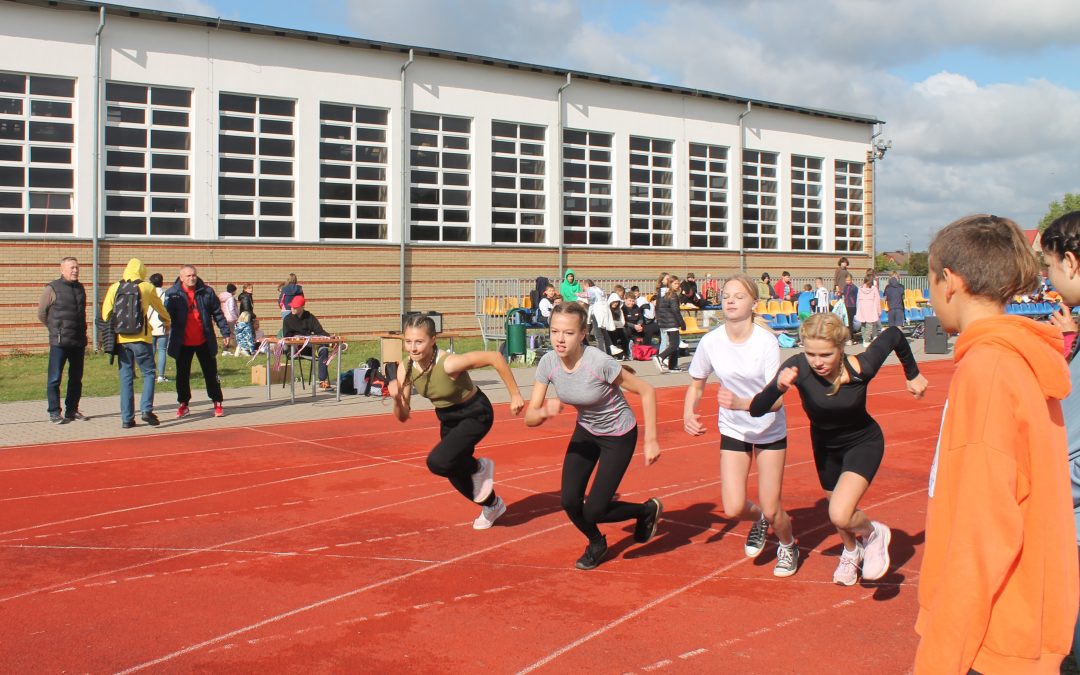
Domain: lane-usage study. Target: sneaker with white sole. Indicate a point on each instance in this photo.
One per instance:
(876, 552)
(847, 571)
(489, 514)
(787, 560)
(483, 481)
(645, 529)
(755, 540)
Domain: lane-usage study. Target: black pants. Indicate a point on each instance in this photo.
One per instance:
(461, 427)
(671, 352)
(650, 334)
(208, 363)
(73, 357)
(619, 338)
(851, 323)
(320, 361)
(610, 456)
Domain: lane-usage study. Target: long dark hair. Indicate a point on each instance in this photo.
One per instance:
(426, 324)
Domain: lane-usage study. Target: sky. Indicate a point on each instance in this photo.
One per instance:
(981, 99)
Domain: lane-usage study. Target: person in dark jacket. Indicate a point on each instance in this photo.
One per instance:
(290, 290)
(850, 294)
(301, 322)
(894, 299)
(62, 309)
(246, 301)
(195, 308)
(670, 321)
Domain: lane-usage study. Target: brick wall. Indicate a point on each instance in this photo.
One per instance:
(354, 290)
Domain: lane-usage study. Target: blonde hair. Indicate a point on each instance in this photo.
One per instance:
(827, 327)
(751, 286)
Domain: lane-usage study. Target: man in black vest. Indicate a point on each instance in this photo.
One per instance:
(62, 309)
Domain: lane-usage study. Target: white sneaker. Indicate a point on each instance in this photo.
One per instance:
(876, 554)
(615, 350)
(660, 364)
(847, 571)
(162, 379)
(483, 481)
(489, 514)
(683, 344)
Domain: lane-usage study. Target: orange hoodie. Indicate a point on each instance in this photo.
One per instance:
(999, 586)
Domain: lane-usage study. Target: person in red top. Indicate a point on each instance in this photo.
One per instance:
(195, 308)
(999, 583)
(784, 289)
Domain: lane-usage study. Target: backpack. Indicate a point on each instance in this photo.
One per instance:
(128, 315)
(368, 375)
(643, 352)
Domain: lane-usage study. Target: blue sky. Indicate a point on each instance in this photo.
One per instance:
(982, 99)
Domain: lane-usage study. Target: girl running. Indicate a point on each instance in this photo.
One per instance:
(464, 412)
(606, 431)
(848, 443)
(745, 356)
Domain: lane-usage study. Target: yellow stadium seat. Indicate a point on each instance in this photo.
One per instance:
(692, 327)
(787, 307)
(773, 307)
(761, 307)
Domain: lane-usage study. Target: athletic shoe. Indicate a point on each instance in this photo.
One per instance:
(615, 350)
(151, 419)
(182, 411)
(489, 514)
(876, 552)
(847, 572)
(755, 541)
(324, 385)
(71, 417)
(483, 481)
(684, 345)
(218, 410)
(161, 379)
(787, 560)
(56, 419)
(594, 553)
(660, 364)
(676, 369)
(128, 424)
(646, 524)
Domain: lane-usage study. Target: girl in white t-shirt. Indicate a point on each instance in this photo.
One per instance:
(745, 357)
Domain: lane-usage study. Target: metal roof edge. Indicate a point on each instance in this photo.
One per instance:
(343, 40)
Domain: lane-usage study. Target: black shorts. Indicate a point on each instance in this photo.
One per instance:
(728, 443)
(857, 450)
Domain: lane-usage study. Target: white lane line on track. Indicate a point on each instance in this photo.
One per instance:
(327, 601)
(677, 592)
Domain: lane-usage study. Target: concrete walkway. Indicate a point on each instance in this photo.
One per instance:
(26, 422)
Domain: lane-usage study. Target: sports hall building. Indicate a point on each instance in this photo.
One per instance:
(387, 177)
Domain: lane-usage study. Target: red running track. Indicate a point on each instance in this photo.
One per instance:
(327, 546)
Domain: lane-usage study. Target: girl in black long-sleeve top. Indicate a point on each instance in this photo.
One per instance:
(848, 444)
(670, 321)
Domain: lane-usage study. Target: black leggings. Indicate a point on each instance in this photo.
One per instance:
(613, 454)
(461, 427)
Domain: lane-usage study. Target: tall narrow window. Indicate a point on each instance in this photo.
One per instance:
(849, 206)
(651, 202)
(37, 135)
(352, 172)
(587, 178)
(760, 216)
(440, 197)
(256, 166)
(147, 160)
(806, 210)
(708, 196)
(517, 183)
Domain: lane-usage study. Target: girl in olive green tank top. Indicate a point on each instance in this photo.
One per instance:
(464, 412)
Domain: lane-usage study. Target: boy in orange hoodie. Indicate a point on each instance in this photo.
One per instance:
(999, 586)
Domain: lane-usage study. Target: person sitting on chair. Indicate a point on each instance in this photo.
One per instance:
(302, 323)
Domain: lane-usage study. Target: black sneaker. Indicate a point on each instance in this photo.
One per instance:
(594, 553)
(646, 525)
(755, 540)
(127, 424)
(151, 419)
(71, 417)
(56, 419)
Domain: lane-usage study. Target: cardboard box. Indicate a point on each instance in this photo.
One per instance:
(279, 376)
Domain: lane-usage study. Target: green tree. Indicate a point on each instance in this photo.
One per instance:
(1069, 203)
(882, 263)
(918, 264)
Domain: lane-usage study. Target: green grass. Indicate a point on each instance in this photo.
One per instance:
(22, 376)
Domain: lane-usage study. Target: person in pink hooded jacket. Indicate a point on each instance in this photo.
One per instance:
(868, 309)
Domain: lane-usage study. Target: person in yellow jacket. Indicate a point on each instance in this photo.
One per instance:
(999, 583)
(126, 305)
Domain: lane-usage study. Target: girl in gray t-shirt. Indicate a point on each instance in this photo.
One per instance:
(606, 432)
